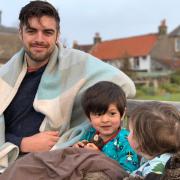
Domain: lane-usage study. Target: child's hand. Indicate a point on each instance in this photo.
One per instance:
(91, 146)
(80, 144)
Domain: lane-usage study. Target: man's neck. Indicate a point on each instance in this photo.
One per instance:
(34, 67)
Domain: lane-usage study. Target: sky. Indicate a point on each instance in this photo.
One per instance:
(113, 19)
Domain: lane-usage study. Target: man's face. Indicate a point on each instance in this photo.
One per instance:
(39, 39)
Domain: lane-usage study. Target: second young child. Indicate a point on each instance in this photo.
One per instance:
(104, 104)
(154, 135)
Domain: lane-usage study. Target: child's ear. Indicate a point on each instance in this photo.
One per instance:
(122, 118)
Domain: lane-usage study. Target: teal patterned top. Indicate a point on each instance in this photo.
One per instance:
(155, 165)
(118, 149)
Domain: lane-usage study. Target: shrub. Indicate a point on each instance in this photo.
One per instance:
(175, 77)
(171, 88)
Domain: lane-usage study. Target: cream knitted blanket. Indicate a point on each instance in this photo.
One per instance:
(68, 73)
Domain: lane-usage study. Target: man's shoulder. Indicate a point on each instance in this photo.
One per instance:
(77, 53)
(73, 52)
(73, 56)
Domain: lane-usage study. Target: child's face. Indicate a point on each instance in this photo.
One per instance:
(131, 139)
(134, 144)
(106, 124)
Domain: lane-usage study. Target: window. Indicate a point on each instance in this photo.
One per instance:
(136, 62)
(144, 57)
(177, 45)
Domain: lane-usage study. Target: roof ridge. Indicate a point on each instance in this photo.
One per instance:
(130, 37)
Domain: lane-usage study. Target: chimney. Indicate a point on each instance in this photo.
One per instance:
(75, 45)
(0, 17)
(163, 28)
(97, 38)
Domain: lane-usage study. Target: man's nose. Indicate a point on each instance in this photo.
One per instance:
(39, 37)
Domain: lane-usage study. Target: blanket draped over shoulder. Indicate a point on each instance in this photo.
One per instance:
(68, 73)
(65, 164)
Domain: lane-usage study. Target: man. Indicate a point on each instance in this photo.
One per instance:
(42, 84)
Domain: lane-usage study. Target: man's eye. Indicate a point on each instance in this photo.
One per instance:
(30, 31)
(48, 33)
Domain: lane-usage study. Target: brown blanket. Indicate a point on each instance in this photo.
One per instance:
(67, 164)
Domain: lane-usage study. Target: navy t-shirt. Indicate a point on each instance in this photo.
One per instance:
(21, 120)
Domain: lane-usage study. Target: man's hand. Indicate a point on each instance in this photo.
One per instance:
(40, 142)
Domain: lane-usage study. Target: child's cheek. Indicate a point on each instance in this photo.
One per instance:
(133, 145)
(132, 142)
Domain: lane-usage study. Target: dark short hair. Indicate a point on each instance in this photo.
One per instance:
(38, 9)
(156, 128)
(98, 97)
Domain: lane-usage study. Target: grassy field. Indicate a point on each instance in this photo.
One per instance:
(166, 91)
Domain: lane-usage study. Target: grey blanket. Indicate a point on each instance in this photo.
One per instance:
(66, 164)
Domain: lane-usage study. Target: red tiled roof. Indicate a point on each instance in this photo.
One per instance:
(120, 48)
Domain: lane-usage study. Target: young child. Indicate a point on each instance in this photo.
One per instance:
(104, 104)
(154, 135)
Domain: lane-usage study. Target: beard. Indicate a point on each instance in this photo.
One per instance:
(36, 57)
(39, 56)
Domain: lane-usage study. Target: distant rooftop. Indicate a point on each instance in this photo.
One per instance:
(5, 29)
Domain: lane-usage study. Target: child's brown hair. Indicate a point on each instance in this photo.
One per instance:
(98, 97)
(156, 128)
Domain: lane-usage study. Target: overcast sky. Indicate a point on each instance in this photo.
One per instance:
(81, 19)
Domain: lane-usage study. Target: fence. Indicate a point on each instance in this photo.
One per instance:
(131, 104)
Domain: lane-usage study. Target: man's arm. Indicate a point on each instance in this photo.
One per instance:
(101, 71)
(42, 141)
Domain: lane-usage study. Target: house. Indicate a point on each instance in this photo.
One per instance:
(135, 49)
(167, 51)
(87, 48)
(9, 42)
(144, 53)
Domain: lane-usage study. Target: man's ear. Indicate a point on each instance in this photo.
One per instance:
(58, 39)
(20, 33)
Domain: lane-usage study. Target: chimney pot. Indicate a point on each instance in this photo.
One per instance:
(97, 38)
(163, 27)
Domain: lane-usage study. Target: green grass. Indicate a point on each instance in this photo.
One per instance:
(166, 91)
(163, 97)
